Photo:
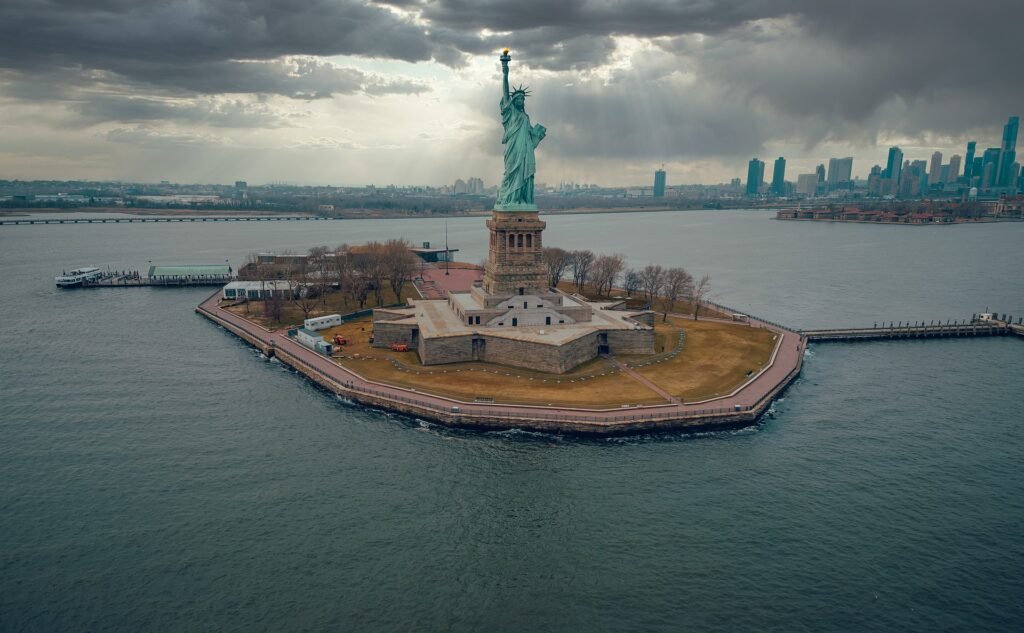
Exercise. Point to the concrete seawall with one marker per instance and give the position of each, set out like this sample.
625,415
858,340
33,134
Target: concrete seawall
742,407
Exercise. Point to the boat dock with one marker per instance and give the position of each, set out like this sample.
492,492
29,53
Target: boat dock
189,218
917,330
117,281
157,275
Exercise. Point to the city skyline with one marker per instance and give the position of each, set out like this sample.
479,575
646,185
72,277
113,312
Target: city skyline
213,92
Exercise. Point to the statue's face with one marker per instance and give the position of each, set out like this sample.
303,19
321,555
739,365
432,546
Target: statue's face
519,101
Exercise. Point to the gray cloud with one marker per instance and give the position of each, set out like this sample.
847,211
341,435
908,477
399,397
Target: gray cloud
142,136
726,78
183,47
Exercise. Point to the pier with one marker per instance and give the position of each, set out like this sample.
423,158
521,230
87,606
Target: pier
189,218
918,330
157,275
142,282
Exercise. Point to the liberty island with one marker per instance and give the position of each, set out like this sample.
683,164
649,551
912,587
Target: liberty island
528,354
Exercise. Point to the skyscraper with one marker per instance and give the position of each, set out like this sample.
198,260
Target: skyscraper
875,180
954,168
755,176
840,171
935,169
1008,154
779,177
920,169
807,184
969,161
894,166
659,183
990,167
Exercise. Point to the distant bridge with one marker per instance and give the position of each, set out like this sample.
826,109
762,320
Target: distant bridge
184,218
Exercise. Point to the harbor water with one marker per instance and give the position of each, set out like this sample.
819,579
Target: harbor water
159,475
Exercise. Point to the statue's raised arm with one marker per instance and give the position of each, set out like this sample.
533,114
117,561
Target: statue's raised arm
505,59
520,139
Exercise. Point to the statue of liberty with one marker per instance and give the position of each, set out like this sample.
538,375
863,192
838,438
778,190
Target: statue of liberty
520,140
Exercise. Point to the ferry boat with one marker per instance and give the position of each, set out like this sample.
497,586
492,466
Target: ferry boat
78,277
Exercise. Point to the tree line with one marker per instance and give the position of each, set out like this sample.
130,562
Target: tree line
360,272
605,273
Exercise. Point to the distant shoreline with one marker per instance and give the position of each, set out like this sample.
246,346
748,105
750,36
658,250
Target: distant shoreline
899,223
346,215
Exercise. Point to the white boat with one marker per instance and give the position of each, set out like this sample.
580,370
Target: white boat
78,277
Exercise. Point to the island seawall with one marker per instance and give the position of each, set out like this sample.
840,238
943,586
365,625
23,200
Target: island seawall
743,406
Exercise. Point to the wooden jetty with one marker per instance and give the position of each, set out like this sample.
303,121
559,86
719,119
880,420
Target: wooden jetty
188,218
934,329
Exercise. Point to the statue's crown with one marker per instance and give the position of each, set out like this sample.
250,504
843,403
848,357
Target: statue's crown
521,90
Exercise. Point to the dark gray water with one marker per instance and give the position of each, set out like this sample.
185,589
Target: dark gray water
159,476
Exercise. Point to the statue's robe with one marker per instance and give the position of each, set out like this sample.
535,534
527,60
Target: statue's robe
520,139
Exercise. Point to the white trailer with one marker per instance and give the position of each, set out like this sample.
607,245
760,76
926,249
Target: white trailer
322,323
313,341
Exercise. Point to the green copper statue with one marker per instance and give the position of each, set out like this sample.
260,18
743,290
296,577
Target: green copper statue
520,140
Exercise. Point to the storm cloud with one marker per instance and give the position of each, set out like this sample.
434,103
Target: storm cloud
637,81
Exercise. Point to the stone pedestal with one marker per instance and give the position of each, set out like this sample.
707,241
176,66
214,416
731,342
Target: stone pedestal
515,259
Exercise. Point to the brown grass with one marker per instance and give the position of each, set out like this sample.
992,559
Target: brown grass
715,358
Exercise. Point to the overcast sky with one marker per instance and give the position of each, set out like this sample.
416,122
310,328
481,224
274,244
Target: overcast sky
405,91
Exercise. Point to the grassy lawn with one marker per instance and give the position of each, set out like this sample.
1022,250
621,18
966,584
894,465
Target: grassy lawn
333,303
715,358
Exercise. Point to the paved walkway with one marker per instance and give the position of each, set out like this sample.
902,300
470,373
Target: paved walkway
437,285
637,376
750,397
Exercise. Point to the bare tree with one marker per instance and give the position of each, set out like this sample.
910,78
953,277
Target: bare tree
581,263
358,286
304,289
678,284
652,278
371,265
273,305
342,266
557,260
699,294
631,282
319,263
400,263
606,271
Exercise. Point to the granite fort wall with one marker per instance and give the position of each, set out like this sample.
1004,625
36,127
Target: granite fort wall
385,333
446,349
631,341
555,359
